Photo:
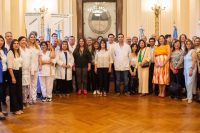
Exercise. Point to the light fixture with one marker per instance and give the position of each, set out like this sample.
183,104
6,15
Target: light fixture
157,8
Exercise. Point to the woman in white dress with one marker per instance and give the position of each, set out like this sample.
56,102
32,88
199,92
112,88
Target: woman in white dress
35,53
26,69
65,61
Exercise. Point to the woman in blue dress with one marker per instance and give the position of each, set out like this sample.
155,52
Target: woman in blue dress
190,70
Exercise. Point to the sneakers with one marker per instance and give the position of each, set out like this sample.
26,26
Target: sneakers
104,94
49,99
127,94
17,113
98,92
95,92
44,99
85,92
2,117
21,112
185,99
117,94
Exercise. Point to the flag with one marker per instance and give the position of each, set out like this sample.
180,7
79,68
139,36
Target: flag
141,32
175,33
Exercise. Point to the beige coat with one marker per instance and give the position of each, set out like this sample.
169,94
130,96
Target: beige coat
143,73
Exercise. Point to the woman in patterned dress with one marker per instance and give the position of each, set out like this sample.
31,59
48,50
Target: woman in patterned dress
161,68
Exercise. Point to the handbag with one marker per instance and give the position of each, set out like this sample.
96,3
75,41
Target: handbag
175,88
147,63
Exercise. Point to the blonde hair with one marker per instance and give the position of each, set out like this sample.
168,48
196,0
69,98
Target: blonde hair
35,42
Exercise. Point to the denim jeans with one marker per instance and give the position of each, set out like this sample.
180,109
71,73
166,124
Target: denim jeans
122,75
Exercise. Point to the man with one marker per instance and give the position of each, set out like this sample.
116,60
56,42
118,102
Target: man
89,43
8,38
121,52
66,38
152,42
110,44
55,42
168,37
134,40
72,44
90,73
128,40
41,38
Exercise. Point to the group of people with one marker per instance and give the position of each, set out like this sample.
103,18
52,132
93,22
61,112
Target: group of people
28,65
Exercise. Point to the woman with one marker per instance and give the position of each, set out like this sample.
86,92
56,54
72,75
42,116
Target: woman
95,83
15,77
35,53
3,74
26,71
176,64
161,67
65,61
143,67
133,70
45,72
190,70
82,59
183,39
197,48
103,65
99,38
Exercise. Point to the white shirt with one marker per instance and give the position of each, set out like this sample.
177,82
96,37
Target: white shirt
35,53
7,46
152,53
26,66
14,63
110,46
133,60
4,60
121,57
103,59
45,67
72,48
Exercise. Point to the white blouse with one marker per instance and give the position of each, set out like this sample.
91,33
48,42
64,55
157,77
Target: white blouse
133,60
103,59
14,62
35,53
45,67
26,66
4,60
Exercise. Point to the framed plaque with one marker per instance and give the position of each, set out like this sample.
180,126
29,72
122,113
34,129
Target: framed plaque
99,17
